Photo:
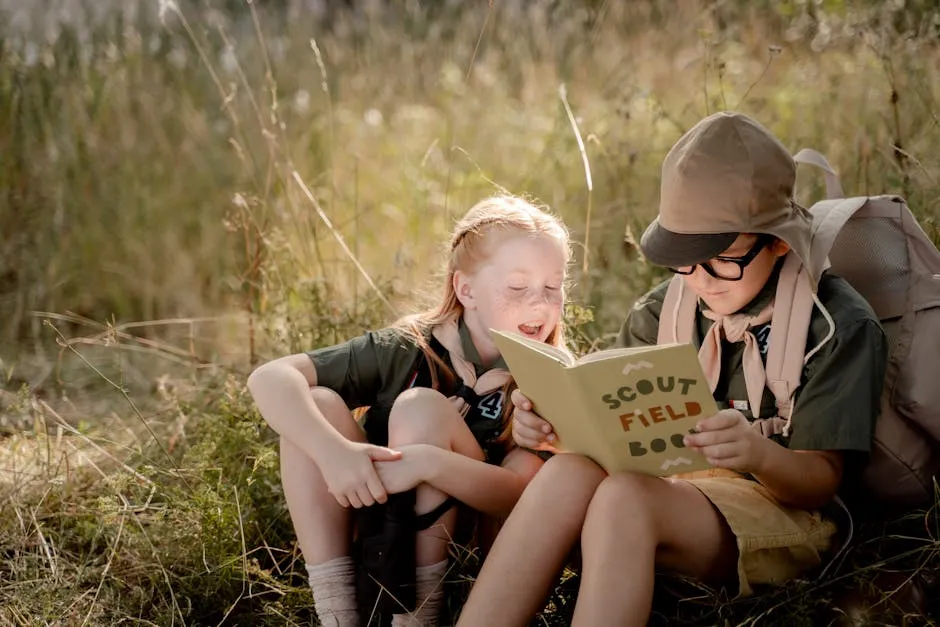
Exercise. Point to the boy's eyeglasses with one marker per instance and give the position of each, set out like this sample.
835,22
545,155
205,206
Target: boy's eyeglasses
728,268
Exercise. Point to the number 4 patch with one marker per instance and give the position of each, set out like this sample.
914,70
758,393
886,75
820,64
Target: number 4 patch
491,405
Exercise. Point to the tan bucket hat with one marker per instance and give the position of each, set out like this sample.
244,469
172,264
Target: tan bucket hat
727,175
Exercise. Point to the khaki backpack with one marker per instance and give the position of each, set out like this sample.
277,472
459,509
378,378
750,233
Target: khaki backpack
875,244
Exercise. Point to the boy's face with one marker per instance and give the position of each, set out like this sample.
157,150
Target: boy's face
728,297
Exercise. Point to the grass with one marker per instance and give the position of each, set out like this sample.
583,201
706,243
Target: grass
189,188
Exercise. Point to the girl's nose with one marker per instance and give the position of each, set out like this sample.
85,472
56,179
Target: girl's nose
545,296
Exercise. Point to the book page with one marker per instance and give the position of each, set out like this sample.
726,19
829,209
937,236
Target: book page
545,381
639,405
504,340
611,353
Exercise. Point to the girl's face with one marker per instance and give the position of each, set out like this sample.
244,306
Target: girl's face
728,297
519,288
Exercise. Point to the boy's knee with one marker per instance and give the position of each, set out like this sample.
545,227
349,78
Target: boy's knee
570,478
625,490
572,466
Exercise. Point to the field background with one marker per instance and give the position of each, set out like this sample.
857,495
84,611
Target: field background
189,188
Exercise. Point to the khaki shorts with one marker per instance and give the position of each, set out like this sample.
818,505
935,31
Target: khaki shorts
775,543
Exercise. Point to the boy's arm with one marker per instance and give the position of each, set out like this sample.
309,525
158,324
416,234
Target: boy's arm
802,479
833,419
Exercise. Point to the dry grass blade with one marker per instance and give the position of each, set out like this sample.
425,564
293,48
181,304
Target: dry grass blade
123,392
244,556
107,567
339,238
563,94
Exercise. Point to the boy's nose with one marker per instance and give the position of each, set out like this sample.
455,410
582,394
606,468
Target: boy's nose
701,276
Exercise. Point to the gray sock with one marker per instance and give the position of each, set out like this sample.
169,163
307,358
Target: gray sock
430,594
334,592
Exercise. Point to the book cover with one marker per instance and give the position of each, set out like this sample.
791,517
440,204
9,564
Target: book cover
626,408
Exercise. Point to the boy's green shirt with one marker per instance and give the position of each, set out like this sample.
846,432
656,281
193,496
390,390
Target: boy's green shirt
839,399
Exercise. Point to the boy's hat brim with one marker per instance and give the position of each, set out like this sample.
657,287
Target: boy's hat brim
675,250
727,174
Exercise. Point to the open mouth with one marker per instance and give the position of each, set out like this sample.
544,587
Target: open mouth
532,330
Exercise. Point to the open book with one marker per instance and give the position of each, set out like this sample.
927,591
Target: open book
625,408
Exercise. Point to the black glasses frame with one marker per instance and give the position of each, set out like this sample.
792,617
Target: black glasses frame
741,262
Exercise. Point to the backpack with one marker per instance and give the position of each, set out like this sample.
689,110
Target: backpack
876,244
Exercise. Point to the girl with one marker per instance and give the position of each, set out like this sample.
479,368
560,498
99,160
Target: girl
435,386
726,222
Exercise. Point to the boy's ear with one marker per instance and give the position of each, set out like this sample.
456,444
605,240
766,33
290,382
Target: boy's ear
779,248
463,288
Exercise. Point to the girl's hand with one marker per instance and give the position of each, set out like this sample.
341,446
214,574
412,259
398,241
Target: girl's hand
529,430
350,476
413,468
727,440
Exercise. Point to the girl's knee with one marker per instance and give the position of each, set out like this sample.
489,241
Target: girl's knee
419,414
328,402
621,511
419,400
336,412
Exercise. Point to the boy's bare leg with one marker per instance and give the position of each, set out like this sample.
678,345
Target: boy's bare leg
636,523
532,546
322,525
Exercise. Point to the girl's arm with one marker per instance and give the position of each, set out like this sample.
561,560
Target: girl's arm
490,489
281,389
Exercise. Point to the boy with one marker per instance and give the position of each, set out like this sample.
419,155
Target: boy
727,220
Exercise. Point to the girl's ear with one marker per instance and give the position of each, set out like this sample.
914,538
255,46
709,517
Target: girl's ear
463,288
779,248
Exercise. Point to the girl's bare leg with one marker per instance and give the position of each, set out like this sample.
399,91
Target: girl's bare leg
636,523
533,544
424,416
323,526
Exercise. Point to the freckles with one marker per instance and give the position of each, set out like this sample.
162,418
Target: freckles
503,302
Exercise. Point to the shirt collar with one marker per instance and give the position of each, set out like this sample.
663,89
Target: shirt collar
470,351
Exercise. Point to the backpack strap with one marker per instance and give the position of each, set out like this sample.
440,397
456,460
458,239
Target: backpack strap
793,307
829,216
795,299
677,319
809,156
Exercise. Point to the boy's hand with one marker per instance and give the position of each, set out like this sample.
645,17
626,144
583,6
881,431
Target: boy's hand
529,430
350,476
727,440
